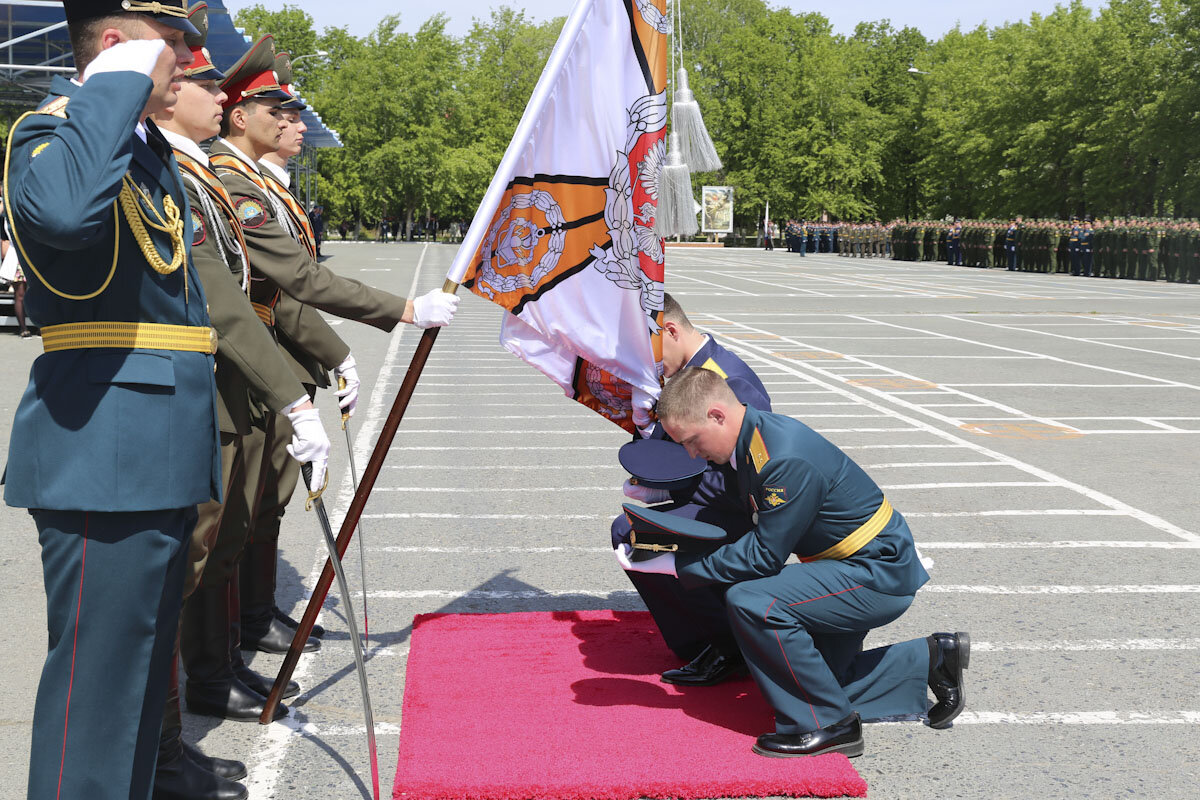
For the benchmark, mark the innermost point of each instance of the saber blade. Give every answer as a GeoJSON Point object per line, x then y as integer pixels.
{"type": "Point", "coordinates": [318, 505]}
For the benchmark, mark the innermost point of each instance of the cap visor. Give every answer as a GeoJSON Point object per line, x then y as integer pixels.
{"type": "Point", "coordinates": [178, 23]}
{"type": "Point", "coordinates": [209, 73]}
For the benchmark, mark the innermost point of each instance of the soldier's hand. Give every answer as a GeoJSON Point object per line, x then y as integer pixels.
{"type": "Point", "coordinates": [659, 565]}
{"type": "Point", "coordinates": [309, 443]}
{"type": "Point", "coordinates": [644, 494]}
{"type": "Point", "coordinates": [348, 394]}
{"type": "Point", "coordinates": [435, 309]}
{"type": "Point", "coordinates": [136, 55]}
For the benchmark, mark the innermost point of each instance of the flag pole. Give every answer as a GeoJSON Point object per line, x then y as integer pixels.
{"type": "Point", "coordinates": [533, 111]}
{"type": "Point", "coordinates": [454, 278]}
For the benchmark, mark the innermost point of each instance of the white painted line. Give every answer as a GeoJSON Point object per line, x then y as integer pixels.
{"type": "Point", "coordinates": [928, 464]}
{"type": "Point", "coordinates": [1102, 589]}
{"type": "Point", "coordinates": [1073, 339]}
{"type": "Point", "coordinates": [503, 489]}
{"type": "Point", "coordinates": [1037, 512]}
{"type": "Point", "coordinates": [1117, 507]}
{"type": "Point", "coordinates": [476, 467]}
{"type": "Point", "coordinates": [968, 485]}
{"type": "Point", "coordinates": [538, 517]}
{"type": "Point", "coordinates": [272, 746]}
{"type": "Point", "coordinates": [1086, 645]}
{"type": "Point", "coordinates": [439, 449]}
{"type": "Point", "coordinates": [1065, 545]}
{"type": "Point", "coordinates": [1072, 718]}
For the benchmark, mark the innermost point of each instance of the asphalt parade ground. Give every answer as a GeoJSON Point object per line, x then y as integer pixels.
{"type": "Point", "coordinates": [1039, 432]}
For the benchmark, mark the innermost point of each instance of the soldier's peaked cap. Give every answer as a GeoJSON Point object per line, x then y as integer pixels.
{"type": "Point", "coordinates": [202, 69]}
{"type": "Point", "coordinates": [172, 13]}
{"type": "Point", "coordinates": [283, 69]}
{"type": "Point", "coordinates": [658, 531]}
{"type": "Point", "coordinates": [253, 75]}
{"type": "Point", "coordinates": [660, 464]}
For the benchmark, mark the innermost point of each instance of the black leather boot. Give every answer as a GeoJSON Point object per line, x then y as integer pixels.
{"type": "Point", "coordinates": [844, 736]}
{"type": "Point", "coordinates": [259, 683]}
{"type": "Point", "coordinates": [707, 669]}
{"type": "Point", "coordinates": [178, 777]}
{"type": "Point", "coordinates": [949, 654]}
{"type": "Point", "coordinates": [261, 629]}
{"type": "Point", "coordinates": [213, 689]}
{"type": "Point", "coordinates": [226, 768]}
{"type": "Point", "coordinates": [317, 631]}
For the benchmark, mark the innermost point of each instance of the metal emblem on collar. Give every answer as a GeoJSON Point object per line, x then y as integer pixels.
{"type": "Point", "coordinates": [250, 213]}
{"type": "Point", "coordinates": [198, 232]}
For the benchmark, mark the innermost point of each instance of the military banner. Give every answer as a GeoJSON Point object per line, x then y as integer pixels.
{"type": "Point", "coordinates": [570, 250]}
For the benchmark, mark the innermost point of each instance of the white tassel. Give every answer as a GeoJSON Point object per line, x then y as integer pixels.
{"type": "Point", "coordinates": [697, 150]}
{"type": "Point", "coordinates": [676, 206]}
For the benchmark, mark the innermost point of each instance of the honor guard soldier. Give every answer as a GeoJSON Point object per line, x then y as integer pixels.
{"type": "Point", "coordinates": [115, 440]}
{"type": "Point", "coordinates": [288, 284]}
{"type": "Point", "coordinates": [694, 623]}
{"type": "Point", "coordinates": [801, 626]}
{"type": "Point", "coordinates": [250, 370]}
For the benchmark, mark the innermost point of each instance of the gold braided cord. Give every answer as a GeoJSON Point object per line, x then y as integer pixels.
{"type": "Point", "coordinates": [26, 261]}
{"type": "Point", "coordinates": [136, 216]}
{"type": "Point", "coordinates": [152, 7]}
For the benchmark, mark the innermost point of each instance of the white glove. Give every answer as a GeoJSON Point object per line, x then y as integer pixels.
{"type": "Point", "coordinates": [136, 55]}
{"type": "Point", "coordinates": [644, 494]}
{"type": "Point", "coordinates": [348, 397]}
{"type": "Point", "coordinates": [659, 565]}
{"type": "Point", "coordinates": [309, 443]}
{"type": "Point", "coordinates": [435, 309]}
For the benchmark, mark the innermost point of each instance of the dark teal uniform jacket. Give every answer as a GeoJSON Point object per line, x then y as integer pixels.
{"type": "Point", "coordinates": [105, 430]}
{"type": "Point", "coordinates": [808, 496]}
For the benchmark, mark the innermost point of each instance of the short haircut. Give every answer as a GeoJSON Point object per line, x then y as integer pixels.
{"type": "Point", "coordinates": [688, 395]}
{"type": "Point", "coordinates": [251, 110]}
{"type": "Point", "coordinates": [84, 34]}
{"type": "Point", "coordinates": [673, 312]}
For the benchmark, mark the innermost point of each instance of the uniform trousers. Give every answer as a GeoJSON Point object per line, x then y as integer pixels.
{"type": "Point", "coordinates": [688, 619]}
{"type": "Point", "coordinates": [205, 541]}
{"type": "Point", "coordinates": [801, 632]}
{"type": "Point", "coordinates": [114, 586]}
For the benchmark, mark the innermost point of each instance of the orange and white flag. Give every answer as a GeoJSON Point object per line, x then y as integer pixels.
{"type": "Point", "coordinates": [570, 251]}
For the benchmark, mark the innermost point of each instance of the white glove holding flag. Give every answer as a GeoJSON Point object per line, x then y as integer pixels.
{"type": "Point", "coordinates": [643, 494]}
{"type": "Point", "coordinates": [136, 55]}
{"type": "Point", "coordinates": [309, 443]}
{"type": "Point", "coordinates": [659, 565]}
{"type": "Point", "coordinates": [435, 309]}
{"type": "Point", "coordinates": [348, 396]}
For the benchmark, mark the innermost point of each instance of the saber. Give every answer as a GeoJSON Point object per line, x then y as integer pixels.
{"type": "Point", "coordinates": [362, 548]}
{"type": "Point", "coordinates": [315, 502]}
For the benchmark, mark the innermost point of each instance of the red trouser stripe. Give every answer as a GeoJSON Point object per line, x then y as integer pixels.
{"type": "Point", "coordinates": [74, 642]}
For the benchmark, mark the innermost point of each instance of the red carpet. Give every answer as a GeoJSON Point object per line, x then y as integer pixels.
{"type": "Point", "coordinates": [568, 706]}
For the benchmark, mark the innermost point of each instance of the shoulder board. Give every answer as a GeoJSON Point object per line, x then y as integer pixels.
{"type": "Point", "coordinates": [758, 451]}
{"type": "Point", "coordinates": [56, 107]}
{"type": "Point", "coordinates": [712, 366]}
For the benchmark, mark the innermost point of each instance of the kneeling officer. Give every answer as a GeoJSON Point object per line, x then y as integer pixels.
{"type": "Point", "coordinates": [801, 626]}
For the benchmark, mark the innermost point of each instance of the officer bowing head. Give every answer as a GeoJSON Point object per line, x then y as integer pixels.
{"type": "Point", "coordinates": [699, 411]}
{"type": "Point", "coordinates": [129, 35]}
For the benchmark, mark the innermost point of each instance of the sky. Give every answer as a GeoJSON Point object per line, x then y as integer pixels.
{"type": "Point", "coordinates": [933, 18]}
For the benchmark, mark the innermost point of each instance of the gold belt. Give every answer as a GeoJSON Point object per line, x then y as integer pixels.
{"type": "Point", "coordinates": [265, 313]}
{"type": "Point", "coordinates": [129, 335]}
{"type": "Point", "coordinates": [860, 538]}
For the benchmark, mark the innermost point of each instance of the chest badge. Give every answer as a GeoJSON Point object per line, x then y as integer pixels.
{"type": "Point", "coordinates": [250, 213]}
{"type": "Point", "coordinates": [199, 234]}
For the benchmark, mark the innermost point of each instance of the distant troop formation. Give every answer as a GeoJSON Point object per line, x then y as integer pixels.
{"type": "Point", "coordinates": [1134, 248]}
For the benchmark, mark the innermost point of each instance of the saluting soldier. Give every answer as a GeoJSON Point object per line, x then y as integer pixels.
{"type": "Point", "coordinates": [1086, 240]}
{"type": "Point", "coordinates": [115, 440]}
{"type": "Point", "coordinates": [801, 626]}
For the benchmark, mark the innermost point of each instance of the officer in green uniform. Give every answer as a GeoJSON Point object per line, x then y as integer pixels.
{"type": "Point", "coordinates": [801, 626]}
{"type": "Point", "coordinates": [115, 439]}
{"type": "Point", "coordinates": [284, 258]}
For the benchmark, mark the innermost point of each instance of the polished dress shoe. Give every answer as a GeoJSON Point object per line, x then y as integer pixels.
{"type": "Point", "coordinates": [276, 638]}
{"type": "Point", "coordinates": [950, 653]}
{"type": "Point", "coordinates": [260, 683]}
{"type": "Point", "coordinates": [225, 768]}
{"type": "Point", "coordinates": [230, 699]}
{"type": "Point", "coordinates": [707, 669]}
{"type": "Point", "coordinates": [183, 779]}
{"type": "Point", "coordinates": [841, 737]}
{"type": "Point", "coordinates": [317, 631]}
